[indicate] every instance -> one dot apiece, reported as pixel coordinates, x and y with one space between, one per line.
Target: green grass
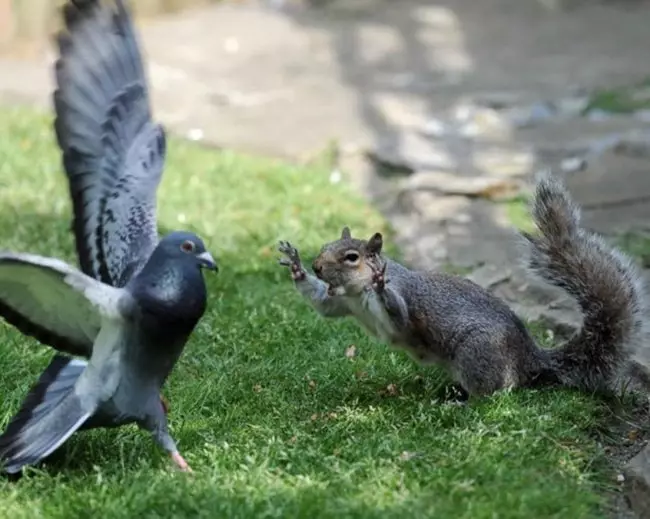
518 212
274 418
621 100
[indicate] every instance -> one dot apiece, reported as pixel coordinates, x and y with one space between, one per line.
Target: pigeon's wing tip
57 379
41 436
113 151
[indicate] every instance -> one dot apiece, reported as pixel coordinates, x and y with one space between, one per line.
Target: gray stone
488 276
598 115
635 144
573 164
637 483
643 115
572 106
453 184
412 151
525 117
614 192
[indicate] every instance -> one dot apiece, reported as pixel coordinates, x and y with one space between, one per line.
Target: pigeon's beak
207 261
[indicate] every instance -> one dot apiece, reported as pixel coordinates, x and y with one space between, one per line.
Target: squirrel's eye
352 257
188 246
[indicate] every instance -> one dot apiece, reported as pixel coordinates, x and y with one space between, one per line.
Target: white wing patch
53 296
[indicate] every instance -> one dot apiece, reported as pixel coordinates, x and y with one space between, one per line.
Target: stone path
438 108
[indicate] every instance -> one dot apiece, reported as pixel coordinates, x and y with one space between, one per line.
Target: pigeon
134 301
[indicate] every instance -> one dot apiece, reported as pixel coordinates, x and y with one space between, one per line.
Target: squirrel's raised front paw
292 260
378 275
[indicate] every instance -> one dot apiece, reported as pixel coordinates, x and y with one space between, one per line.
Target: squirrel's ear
345 233
375 243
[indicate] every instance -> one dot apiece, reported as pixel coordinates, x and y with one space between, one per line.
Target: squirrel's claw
379 276
292 260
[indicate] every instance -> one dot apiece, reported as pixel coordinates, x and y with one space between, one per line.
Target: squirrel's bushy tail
605 283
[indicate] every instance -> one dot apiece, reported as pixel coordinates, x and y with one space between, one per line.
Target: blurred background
438 111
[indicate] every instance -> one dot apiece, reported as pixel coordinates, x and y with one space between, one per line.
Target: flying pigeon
137 299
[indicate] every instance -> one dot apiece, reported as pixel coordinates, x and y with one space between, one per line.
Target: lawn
274 418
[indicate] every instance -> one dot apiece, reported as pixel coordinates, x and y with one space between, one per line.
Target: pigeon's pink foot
180 462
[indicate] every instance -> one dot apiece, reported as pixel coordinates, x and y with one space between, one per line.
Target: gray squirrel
453 322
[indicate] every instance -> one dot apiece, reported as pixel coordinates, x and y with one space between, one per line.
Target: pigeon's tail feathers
51 413
59 378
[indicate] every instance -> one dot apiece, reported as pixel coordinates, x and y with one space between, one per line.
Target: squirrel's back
476 334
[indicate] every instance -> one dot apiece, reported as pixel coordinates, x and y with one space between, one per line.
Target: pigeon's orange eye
188 246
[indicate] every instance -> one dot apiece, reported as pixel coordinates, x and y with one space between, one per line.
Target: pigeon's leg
156 424
165 403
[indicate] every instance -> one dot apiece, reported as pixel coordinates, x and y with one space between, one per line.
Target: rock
637 482
450 184
473 121
636 144
436 128
572 106
643 115
489 276
529 298
614 192
411 152
597 115
525 117
602 144
480 232
573 164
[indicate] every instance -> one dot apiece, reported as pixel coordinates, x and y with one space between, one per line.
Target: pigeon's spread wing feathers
37 439
58 305
58 379
113 152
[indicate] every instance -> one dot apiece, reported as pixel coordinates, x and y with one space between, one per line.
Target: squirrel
451 321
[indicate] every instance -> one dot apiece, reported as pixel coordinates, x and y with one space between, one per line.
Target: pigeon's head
188 248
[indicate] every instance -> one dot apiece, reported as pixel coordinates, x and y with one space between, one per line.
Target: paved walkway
372 74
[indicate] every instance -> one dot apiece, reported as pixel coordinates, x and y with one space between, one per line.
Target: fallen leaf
314 417
633 435
351 351
391 389
406 455
312 384
361 374
257 388
293 439
337 452
332 416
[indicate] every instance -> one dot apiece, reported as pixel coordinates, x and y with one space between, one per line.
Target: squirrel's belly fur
372 314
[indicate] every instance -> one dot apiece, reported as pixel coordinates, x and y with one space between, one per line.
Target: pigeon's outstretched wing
74 313
53 302
113 152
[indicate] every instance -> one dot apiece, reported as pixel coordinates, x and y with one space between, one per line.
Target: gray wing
70 398
51 301
75 313
113 152
19 445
